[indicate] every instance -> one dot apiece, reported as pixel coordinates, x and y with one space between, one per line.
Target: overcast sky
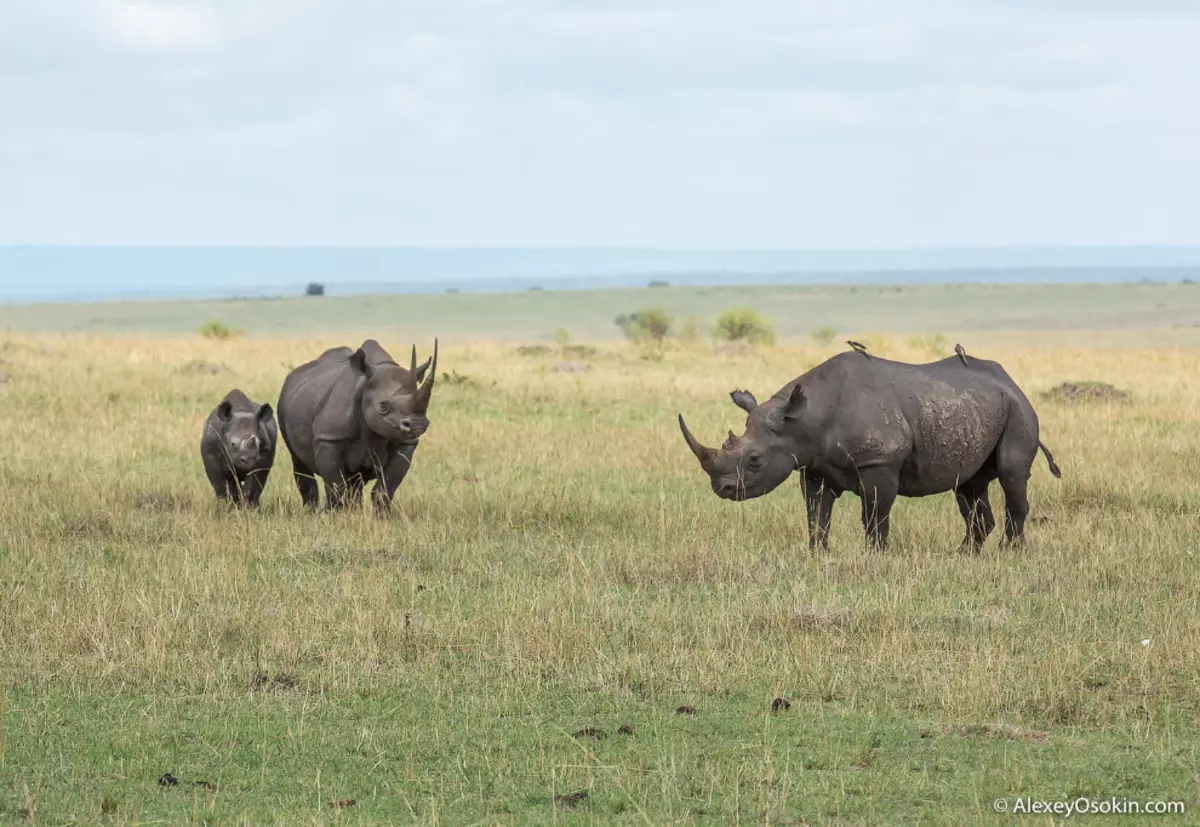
783 123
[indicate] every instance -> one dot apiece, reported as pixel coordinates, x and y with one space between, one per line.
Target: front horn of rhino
426 390
707 456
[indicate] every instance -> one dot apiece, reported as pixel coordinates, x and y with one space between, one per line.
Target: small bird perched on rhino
352 416
238 448
883 429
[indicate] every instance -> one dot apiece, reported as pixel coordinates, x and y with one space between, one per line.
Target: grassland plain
588 314
556 562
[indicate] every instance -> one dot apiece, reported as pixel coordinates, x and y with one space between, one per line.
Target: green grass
557 561
588 315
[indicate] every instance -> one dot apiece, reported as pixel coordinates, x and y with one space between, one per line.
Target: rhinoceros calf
352 416
238 448
883 429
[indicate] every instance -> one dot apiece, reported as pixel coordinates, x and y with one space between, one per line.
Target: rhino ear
795 402
265 412
744 400
225 410
358 362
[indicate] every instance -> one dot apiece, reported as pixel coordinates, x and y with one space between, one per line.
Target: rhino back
317 402
937 423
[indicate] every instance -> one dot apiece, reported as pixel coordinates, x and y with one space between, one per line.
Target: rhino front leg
389 480
879 488
818 502
252 487
328 459
218 477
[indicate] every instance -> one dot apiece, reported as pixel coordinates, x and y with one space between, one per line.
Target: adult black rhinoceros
353 416
880 429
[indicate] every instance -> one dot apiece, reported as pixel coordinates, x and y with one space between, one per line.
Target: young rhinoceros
352 416
883 429
238 448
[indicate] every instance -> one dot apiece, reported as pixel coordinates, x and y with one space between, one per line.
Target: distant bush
652 324
660 283
741 324
314 288
561 337
451 289
537 287
824 336
217 330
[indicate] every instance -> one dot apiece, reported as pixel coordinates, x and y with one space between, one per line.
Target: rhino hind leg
976 510
1014 459
1016 506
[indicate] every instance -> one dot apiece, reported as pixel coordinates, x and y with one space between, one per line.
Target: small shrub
217 330
745 325
660 283
537 287
652 324
824 336
533 350
314 288
451 289
561 337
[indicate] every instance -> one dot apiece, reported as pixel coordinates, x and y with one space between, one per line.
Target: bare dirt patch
1089 391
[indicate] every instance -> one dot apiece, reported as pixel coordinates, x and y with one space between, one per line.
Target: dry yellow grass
555 539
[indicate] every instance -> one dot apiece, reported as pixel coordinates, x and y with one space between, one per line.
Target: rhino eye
755 462
384 407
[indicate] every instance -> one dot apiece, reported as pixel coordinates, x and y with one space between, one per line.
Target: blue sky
691 123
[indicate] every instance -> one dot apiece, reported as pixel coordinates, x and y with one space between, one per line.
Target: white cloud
656 121
158 26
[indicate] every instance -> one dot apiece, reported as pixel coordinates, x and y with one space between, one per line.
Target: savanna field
560 623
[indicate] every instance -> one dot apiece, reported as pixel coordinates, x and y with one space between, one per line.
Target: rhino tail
1050 459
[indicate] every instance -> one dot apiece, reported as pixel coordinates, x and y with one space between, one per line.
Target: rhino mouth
245 462
731 490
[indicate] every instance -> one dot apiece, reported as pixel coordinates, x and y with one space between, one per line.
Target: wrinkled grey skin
352 416
883 429
238 448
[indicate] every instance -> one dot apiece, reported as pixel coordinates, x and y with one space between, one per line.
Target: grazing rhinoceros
352 416
238 448
880 429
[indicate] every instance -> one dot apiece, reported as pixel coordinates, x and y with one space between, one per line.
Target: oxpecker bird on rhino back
883 429
352 416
